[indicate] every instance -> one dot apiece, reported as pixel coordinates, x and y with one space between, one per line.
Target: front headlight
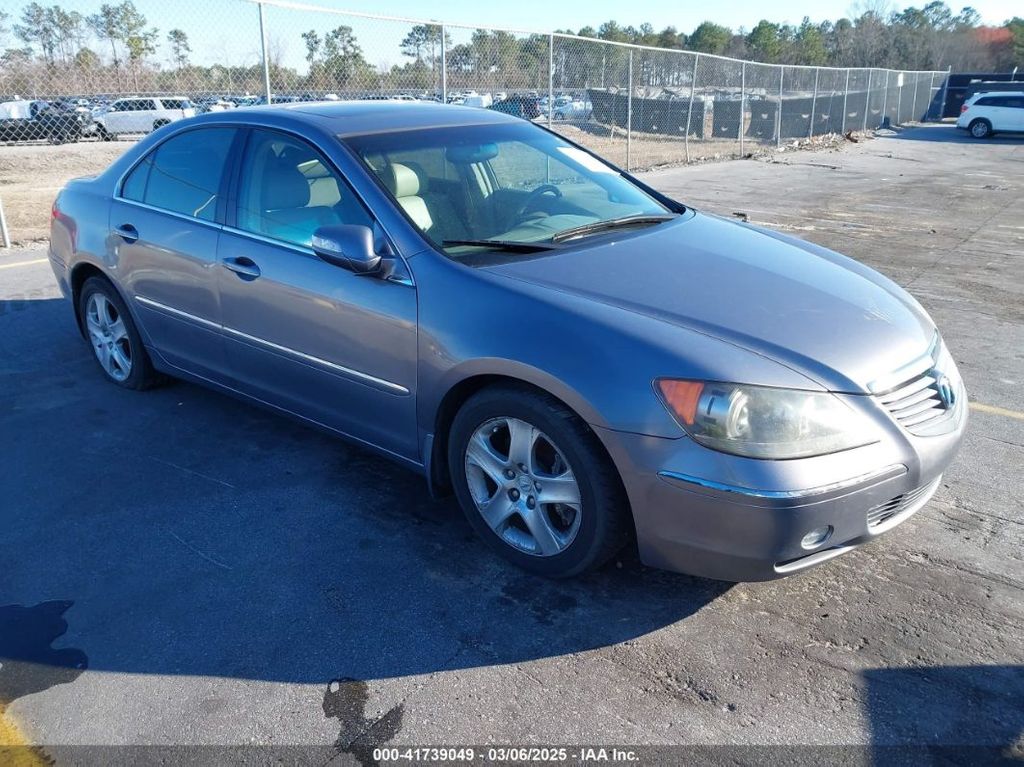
762 422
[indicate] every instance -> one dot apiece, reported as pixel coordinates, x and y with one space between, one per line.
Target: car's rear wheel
104 134
115 341
535 483
980 129
157 125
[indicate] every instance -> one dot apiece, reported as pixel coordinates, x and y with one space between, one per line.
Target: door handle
243 266
127 232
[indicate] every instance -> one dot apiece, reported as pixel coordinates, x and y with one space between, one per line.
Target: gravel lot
217 567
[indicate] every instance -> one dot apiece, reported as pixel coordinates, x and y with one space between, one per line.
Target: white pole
689 107
4 234
263 53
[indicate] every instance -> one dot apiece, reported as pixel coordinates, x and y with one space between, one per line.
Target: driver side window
288 190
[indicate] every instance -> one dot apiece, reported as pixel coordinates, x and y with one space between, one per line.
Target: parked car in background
37 120
526 107
580 358
474 99
141 115
569 108
985 114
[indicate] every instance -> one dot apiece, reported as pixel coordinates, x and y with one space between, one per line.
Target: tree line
49 49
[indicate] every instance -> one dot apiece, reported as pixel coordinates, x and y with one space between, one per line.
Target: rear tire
517 488
981 129
160 123
115 341
104 134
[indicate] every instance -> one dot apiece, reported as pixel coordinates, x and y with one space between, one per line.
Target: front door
302 334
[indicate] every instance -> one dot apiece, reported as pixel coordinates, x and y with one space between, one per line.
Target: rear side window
183 174
175 103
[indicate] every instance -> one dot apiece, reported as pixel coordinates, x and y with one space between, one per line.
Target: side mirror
349 246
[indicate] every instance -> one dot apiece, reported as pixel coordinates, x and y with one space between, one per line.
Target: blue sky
226 30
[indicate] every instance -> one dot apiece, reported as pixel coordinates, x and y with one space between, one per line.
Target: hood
827 316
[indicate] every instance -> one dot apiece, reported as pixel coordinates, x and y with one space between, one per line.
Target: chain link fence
95 71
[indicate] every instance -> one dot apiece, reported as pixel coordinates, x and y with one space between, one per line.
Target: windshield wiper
614 223
506 245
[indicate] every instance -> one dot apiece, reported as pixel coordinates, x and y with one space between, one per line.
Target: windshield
466 187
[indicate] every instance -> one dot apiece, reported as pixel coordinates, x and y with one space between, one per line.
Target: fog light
816 537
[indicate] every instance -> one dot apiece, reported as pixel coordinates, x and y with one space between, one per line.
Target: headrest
402 180
285 187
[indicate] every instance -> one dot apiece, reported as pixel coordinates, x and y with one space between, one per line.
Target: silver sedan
581 360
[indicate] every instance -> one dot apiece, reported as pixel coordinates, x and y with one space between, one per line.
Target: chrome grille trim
916 404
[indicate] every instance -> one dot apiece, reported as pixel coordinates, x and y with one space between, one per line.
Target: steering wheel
534 196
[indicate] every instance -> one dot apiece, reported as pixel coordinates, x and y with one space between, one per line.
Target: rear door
165 225
144 116
992 108
302 334
116 119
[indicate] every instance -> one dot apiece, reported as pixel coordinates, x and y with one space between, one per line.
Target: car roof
353 118
997 93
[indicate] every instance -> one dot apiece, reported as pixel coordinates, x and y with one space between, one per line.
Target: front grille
883 512
916 404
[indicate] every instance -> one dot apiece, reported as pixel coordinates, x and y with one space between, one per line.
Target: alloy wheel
523 486
109 337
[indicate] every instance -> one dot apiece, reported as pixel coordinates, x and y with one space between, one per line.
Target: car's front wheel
112 334
981 129
535 483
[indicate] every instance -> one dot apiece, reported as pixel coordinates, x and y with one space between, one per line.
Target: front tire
981 129
115 341
535 482
104 134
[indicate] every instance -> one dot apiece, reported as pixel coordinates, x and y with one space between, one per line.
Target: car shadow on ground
179 531
946 714
946 132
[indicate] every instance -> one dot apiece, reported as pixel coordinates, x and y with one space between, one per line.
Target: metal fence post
551 77
945 93
814 103
846 95
931 96
778 112
444 66
867 101
5 235
689 106
913 105
629 110
263 54
899 96
885 96
743 100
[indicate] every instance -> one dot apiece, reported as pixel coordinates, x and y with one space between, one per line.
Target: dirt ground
32 174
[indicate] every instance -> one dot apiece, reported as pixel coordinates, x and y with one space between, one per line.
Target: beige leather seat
405 184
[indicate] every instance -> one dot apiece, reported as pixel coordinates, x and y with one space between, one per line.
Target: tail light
964 108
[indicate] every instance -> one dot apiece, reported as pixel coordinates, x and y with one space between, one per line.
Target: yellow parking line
24 263
997 411
15 748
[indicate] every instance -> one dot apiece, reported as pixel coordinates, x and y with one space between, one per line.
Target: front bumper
741 519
